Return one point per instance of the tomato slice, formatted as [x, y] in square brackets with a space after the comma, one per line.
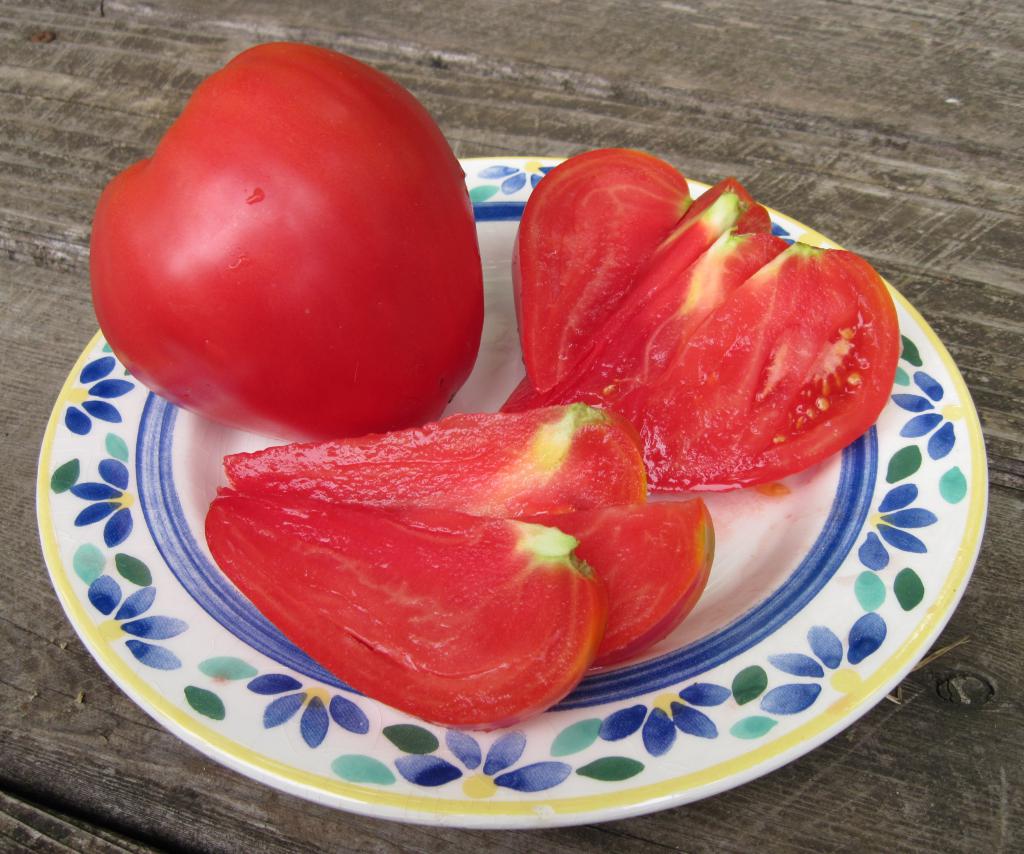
[549, 460]
[688, 241]
[460, 620]
[635, 347]
[754, 217]
[654, 559]
[795, 364]
[588, 227]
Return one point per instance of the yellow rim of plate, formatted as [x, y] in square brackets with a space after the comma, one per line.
[667, 791]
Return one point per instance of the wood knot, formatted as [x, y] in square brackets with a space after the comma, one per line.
[43, 36]
[965, 689]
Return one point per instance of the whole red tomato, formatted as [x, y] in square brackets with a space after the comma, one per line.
[298, 257]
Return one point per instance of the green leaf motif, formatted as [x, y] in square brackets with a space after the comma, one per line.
[133, 569]
[903, 463]
[953, 485]
[576, 737]
[482, 194]
[205, 702]
[909, 589]
[227, 667]
[753, 727]
[411, 738]
[749, 684]
[357, 768]
[117, 447]
[869, 590]
[88, 562]
[901, 377]
[106, 348]
[910, 352]
[611, 768]
[66, 476]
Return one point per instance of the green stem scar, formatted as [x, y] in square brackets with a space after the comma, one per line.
[551, 547]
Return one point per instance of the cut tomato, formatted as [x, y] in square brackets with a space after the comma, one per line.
[726, 207]
[635, 348]
[653, 558]
[588, 227]
[793, 366]
[754, 217]
[460, 620]
[546, 461]
[689, 240]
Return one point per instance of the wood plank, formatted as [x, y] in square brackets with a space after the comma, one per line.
[25, 826]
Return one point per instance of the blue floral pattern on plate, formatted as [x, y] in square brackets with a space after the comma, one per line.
[93, 401]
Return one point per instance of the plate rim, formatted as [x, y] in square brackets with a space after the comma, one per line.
[550, 811]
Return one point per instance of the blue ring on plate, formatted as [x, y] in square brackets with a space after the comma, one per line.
[216, 595]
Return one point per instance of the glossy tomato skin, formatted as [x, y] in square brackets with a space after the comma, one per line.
[548, 460]
[298, 257]
[654, 559]
[587, 229]
[794, 365]
[461, 620]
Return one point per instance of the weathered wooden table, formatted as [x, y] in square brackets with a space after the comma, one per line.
[894, 128]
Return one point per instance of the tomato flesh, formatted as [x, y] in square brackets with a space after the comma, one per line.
[635, 348]
[548, 460]
[588, 227]
[654, 559]
[542, 465]
[460, 620]
[754, 217]
[793, 366]
[725, 208]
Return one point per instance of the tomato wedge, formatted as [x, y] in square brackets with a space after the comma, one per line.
[654, 559]
[588, 227]
[754, 217]
[546, 461]
[689, 240]
[460, 620]
[634, 348]
[793, 366]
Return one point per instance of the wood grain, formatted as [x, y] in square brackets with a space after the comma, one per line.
[894, 128]
[25, 826]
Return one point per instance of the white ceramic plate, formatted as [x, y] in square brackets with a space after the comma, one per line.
[826, 589]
